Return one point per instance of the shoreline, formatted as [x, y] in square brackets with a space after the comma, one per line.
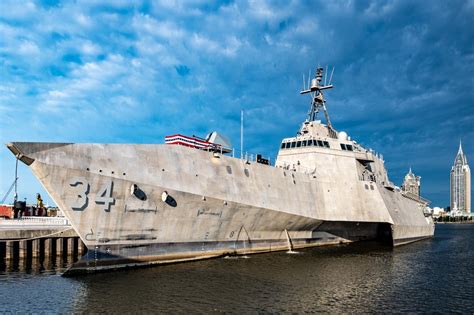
[457, 222]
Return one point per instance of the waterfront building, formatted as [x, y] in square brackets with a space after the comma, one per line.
[411, 184]
[438, 212]
[460, 184]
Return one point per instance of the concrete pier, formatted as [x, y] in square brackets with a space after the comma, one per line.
[23, 249]
[70, 246]
[48, 248]
[11, 248]
[59, 246]
[23, 242]
[81, 248]
[35, 248]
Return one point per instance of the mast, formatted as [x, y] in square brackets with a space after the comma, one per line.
[318, 102]
[241, 133]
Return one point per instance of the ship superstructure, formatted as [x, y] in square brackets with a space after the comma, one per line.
[315, 140]
[136, 204]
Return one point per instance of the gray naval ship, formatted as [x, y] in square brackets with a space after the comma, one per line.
[137, 204]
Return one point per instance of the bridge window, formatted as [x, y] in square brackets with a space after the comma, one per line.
[303, 143]
[343, 146]
[349, 147]
[288, 145]
[326, 144]
[298, 144]
[310, 143]
[282, 145]
[320, 143]
[293, 144]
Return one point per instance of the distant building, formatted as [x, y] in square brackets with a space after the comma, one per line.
[460, 183]
[411, 184]
[438, 212]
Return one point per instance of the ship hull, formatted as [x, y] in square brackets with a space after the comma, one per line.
[135, 205]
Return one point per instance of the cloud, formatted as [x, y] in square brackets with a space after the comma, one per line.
[92, 71]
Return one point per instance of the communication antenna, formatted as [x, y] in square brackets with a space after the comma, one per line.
[309, 78]
[241, 134]
[326, 76]
[330, 78]
[316, 91]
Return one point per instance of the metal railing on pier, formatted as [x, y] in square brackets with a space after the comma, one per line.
[36, 221]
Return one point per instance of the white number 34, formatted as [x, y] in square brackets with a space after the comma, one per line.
[81, 192]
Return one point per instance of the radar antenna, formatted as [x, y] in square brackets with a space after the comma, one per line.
[317, 96]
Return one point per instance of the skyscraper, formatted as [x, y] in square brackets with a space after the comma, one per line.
[460, 183]
[411, 184]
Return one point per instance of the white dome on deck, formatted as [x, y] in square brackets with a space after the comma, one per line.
[342, 135]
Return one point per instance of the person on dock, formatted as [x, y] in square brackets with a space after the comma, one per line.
[40, 206]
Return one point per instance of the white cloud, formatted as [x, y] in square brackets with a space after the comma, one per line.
[379, 9]
[261, 10]
[11, 9]
[228, 47]
[90, 48]
[86, 83]
[145, 24]
[340, 7]
[57, 94]
[28, 48]
[180, 8]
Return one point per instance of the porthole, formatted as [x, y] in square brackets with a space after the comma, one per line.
[229, 169]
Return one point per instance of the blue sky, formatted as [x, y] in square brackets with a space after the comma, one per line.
[134, 71]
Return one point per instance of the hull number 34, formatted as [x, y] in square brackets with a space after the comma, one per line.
[81, 190]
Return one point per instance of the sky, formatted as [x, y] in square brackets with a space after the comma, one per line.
[134, 71]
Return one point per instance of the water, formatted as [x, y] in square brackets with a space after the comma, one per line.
[430, 276]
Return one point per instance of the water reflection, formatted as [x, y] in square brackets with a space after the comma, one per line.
[348, 278]
[35, 266]
[332, 279]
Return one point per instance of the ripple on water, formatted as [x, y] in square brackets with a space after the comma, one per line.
[429, 276]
